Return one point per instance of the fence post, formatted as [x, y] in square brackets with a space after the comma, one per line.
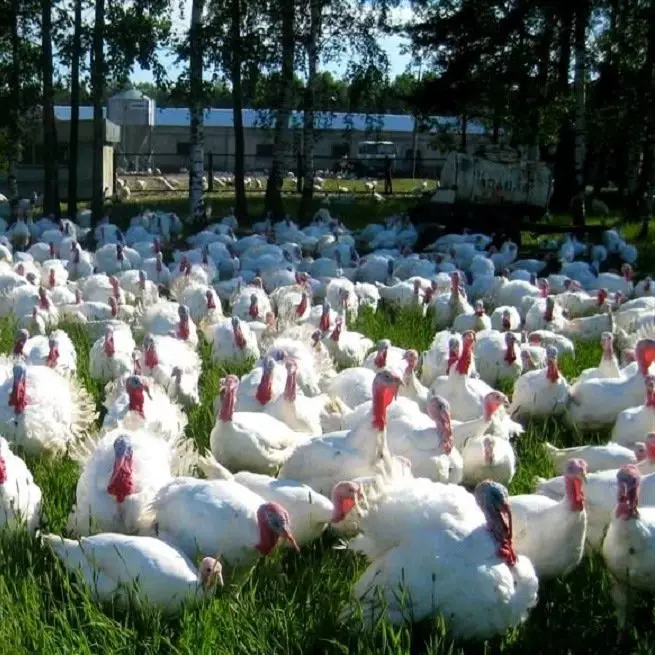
[210, 172]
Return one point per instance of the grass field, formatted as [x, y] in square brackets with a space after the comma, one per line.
[290, 603]
[256, 185]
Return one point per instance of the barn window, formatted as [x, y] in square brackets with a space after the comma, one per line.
[264, 150]
[183, 148]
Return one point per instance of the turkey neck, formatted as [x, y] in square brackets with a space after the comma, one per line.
[574, 493]
[552, 372]
[53, 357]
[227, 406]
[464, 362]
[151, 359]
[510, 354]
[265, 388]
[382, 396]
[650, 398]
[290, 387]
[370, 438]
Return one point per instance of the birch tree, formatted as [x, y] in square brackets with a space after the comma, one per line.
[311, 47]
[282, 131]
[196, 111]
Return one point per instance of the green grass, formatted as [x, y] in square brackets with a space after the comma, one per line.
[290, 603]
[330, 185]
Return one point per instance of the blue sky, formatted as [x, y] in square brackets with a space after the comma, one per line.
[391, 44]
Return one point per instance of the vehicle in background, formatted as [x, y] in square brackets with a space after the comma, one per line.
[371, 155]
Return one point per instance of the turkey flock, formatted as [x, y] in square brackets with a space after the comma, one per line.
[406, 456]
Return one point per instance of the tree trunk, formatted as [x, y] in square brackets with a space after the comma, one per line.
[241, 207]
[564, 173]
[75, 111]
[14, 128]
[579, 83]
[283, 114]
[545, 45]
[50, 163]
[647, 177]
[97, 91]
[308, 140]
[196, 110]
[606, 87]
[462, 135]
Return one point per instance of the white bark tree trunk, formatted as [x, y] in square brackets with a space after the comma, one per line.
[196, 111]
[282, 133]
[309, 136]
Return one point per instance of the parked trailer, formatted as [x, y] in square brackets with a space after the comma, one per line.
[493, 190]
[480, 180]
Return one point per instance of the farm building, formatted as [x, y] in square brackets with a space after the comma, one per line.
[139, 136]
[153, 137]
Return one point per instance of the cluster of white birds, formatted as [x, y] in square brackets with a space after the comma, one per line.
[406, 455]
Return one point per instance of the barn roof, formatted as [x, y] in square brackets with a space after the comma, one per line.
[253, 118]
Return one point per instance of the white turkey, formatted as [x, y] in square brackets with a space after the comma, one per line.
[234, 341]
[346, 347]
[629, 544]
[251, 441]
[111, 356]
[133, 403]
[541, 393]
[633, 423]
[597, 457]
[597, 403]
[476, 321]
[174, 365]
[488, 458]
[45, 411]
[309, 512]
[498, 357]
[464, 393]
[469, 573]
[431, 450]
[169, 318]
[121, 472]
[347, 454]
[113, 565]
[551, 533]
[385, 356]
[210, 516]
[55, 351]
[20, 496]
